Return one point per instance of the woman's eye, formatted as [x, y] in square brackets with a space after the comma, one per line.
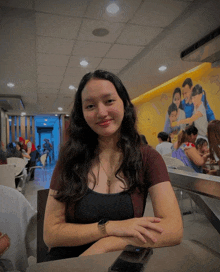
[89, 107]
[110, 101]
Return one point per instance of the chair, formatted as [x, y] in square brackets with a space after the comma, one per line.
[43, 162]
[19, 164]
[7, 175]
[42, 249]
[172, 162]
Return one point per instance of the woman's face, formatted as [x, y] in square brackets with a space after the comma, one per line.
[177, 99]
[102, 107]
[196, 99]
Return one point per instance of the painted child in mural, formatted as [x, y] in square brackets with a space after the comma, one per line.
[180, 112]
[172, 118]
[187, 103]
[199, 116]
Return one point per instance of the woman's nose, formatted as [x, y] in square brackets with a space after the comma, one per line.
[102, 111]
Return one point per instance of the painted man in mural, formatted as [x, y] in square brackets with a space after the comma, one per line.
[187, 103]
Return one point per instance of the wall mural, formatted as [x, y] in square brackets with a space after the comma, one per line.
[192, 109]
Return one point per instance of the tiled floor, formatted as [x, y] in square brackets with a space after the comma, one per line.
[196, 225]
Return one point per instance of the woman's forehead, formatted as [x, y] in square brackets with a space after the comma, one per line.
[98, 87]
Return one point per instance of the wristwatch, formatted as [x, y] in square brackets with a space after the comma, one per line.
[102, 226]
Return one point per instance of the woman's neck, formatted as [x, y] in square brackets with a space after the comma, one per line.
[197, 106]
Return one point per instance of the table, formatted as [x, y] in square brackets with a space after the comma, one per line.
[188, 256]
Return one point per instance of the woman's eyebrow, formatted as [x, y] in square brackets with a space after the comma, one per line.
[91, 98]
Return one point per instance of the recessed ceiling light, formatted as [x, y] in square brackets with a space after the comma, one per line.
[71, 87]
[45, 124]
[45, 120]
[100, 32]
[23, 113]
[60, 109]
[162, 68]
[56, 114]
[84, 63]
[9, 120]
[112, 8]
[10, 84]
[67, 115]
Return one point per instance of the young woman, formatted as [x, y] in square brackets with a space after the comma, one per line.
[214, 139]
[100, 183]
[23, 153]
[180, 112]
[186, 150]
[199, 114]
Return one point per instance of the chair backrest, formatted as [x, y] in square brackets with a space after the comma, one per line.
[42, 249]
[43, 159]
[19, 164]
[174, 162]
[7, 175]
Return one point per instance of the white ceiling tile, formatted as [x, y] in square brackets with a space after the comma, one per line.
[49, 79]
[159, 13]
[54, 45]
[69, 7]
[50, 70]
[47, 91]
[67, 82]
[21, 4]
[93, 62]
[91, 49]
[89, 25]
[75, 72]
[64, 101]
[108, 64]
[138, 35]
[52, 59]
[120, 51]
[97, 10]
[45, 85]
[57, 26]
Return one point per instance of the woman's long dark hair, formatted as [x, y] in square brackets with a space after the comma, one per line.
[214, 137]
[80, 150]
[197, 89]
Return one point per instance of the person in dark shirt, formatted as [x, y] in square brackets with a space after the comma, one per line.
[104, 172]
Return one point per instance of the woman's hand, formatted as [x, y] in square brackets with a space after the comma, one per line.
[135, 227]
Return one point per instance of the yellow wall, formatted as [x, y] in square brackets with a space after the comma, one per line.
[152, 106]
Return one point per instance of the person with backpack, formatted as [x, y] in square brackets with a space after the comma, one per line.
[186, 150]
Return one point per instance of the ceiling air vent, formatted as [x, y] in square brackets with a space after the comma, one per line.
[13, 102]
[205, 50]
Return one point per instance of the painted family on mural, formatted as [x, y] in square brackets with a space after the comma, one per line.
[193, 109]
[191, 127]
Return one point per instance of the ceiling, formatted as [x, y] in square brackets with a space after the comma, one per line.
[43, 42]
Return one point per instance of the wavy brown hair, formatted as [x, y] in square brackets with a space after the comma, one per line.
[214, 137]
[81, 149]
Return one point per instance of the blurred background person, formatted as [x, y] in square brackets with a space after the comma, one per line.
[214, 140]
[186, 150]
[48, 149]
[164, 147]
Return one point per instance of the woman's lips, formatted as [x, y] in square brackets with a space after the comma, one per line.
[104, 123]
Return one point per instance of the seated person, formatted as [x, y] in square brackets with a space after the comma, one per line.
[214, 140]
[15, 219]
[3, 157]
[186, 150]
[12, 152]
[164, 147]
[104, 173]
[202, 146]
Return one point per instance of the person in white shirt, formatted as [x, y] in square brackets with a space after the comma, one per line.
[164, 147]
